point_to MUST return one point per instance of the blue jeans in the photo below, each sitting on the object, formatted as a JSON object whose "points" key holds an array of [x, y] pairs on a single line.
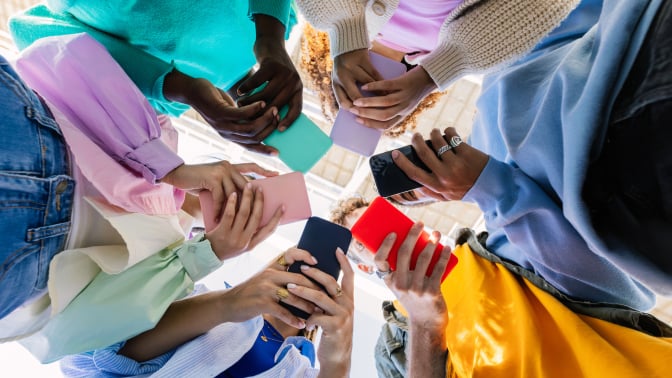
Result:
{"points": [[36, 191], [629, 188], [390, 352]]}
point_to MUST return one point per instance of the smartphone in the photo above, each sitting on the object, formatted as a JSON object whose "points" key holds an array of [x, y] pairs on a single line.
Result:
{"points": [[288, 189], [389, 178], [303, 143], [321, 238], [353, 136], [300, 146], [380, 219]]}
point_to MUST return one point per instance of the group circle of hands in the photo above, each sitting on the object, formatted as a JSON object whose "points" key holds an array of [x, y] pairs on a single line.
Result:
{"points": [[248, 122]]}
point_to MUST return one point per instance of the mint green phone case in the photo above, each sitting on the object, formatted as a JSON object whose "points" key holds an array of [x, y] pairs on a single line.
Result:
{"points": [[302, 145]]}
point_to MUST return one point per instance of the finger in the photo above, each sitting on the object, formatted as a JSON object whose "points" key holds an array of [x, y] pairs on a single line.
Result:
{"points": [[252, 130], [342, 97], [298, 302], [286, 316], [426, 153], [224, 112], [381, 125], [229, 212], [377, 114], [421, 265], [385, 101], [380, 259], [413, 171], [381, 86], [244, 210], [253, 82], [318, 297], [348, 280], [268, 228], [293, 255], [245, 168], [450, 134], [439, 268], [255, 216], [295, 104], [430, 193], [236, 180], [324, 279], [406, 249]]}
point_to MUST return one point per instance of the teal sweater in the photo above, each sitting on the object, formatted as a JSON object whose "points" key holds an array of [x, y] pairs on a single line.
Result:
{"points": [[205, 39]]}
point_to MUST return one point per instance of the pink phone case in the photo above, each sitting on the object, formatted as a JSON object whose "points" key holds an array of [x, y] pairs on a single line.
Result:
{"points": [[288, 189], [349, 134]]}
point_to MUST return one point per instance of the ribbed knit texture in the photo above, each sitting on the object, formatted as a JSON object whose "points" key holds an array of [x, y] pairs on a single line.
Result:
{"points": [[478, 36]]}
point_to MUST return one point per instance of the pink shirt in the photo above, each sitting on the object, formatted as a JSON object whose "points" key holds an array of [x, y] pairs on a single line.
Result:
{"points": [[113, 134], [415, 25]]}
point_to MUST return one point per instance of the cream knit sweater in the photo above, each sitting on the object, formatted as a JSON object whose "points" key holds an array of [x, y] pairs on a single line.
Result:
{"points": [[478, 36]]}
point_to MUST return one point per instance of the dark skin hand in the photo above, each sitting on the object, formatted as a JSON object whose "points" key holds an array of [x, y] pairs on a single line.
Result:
{"points": [[275, 68], [245, 125], [452, 175]]}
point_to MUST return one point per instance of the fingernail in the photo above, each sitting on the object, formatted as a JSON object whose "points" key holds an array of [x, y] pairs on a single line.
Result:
{"points": [[314, 260], [259, 189], [301, 324], [359, 120], [395, 154], [354, 111], [233, 195], [291, 286], [305, 267], [391, 236], [283, 208], [365, 86], [310, 327], [263, 104], [283, 128], [274, 153], [357, 103], [275, 112], [339, 250], [248, 185]]}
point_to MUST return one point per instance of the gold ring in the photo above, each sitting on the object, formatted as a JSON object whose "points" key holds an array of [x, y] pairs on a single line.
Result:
{"points": [[339, 291], [281, 260], [282, 293]]}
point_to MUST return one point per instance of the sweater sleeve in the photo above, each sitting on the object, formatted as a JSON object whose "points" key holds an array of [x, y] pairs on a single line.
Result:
{"points": [[344, 20], [482, 35], [146, 71], [101, 101]]}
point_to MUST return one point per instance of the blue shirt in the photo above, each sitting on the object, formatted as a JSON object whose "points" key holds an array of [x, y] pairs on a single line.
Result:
{"points": [[542, 120]]}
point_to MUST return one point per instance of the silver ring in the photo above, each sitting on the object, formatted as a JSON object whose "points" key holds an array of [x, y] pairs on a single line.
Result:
{"points": [[382, 274], [443, 150], [455, 141]]}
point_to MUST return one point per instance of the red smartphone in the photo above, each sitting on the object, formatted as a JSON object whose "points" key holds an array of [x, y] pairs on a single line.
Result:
{"points": [[288, 189], [382, 218]]}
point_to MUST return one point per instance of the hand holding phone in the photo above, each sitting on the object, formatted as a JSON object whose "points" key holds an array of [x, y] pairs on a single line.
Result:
{"points": [[321, 238], [288, 190], [389, 178], [350, 134], [381, 219]]}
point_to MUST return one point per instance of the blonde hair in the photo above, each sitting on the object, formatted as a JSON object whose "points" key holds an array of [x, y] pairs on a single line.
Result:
{"points": [[345, 207], [317, 66]]}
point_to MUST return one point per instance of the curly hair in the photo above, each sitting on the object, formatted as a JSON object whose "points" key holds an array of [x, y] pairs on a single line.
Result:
{"points": [[345, 207], [317, 65]]}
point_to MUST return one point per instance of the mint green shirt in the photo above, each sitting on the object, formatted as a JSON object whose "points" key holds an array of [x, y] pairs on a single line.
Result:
{"points": [[204, 39]]}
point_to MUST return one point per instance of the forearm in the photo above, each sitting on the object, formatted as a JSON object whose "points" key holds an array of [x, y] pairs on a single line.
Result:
{"points": [[427, 350], [183, 321], [270, 37]]}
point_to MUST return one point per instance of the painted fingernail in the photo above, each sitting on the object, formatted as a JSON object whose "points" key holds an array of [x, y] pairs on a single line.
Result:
{"points": [[339, 250], [314, 259], [291, 286], [395, 154], [357, 103], [301, 325], [275, 112], [305, 267]]}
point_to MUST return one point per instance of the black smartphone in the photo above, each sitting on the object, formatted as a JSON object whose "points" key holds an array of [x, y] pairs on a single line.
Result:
{"points": [[389, 178], [321, 238]]}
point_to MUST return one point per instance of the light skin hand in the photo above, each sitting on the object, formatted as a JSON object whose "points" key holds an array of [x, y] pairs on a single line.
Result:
{"points": [[246, 125], [350, 69], [238, 231], [191, 317], [421, 296], [334, 316], [453, 174], [399, 97], [275, 67]]}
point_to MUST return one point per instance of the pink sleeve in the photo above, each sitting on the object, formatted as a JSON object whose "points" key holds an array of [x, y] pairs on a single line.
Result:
{"points": [[78, 76]]}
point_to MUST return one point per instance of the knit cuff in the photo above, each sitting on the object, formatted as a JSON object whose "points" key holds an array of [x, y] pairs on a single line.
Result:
{"points": [[445, 65], [349, 35]]}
